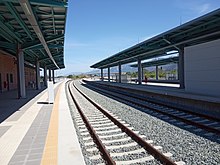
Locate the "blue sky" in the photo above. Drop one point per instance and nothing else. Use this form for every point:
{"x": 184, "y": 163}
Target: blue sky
{"x": 97, "y": 29}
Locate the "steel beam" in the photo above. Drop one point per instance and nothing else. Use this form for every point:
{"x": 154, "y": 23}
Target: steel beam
{"x": 36, "y": 44}
{"x": 43, "y": 2}
{"x": 5, "y": 35}
{"x": 160, "y": 49}
{"x": 7, "y": 45}
{"x": 7, "y": 30}
{"x": 54, "y": 56}
{"x": 17, "y": 16}
{"x": 25, "y": 4}
{"x": 49, "y": 3}
{"x": 49, "y": 46}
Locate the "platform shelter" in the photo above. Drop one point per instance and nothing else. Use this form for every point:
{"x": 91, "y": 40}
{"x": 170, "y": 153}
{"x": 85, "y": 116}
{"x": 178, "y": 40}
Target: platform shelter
{"x": 31, "y": 37}
{"x": 201, "y": 34}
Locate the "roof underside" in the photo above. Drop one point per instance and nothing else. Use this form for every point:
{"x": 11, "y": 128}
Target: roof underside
{"x": 158, "y": 62}
{"x": 200, "y": 30}
{"x": 38, "y": 26}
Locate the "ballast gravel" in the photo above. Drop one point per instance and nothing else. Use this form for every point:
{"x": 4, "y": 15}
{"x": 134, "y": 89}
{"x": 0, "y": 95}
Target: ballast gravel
{"x": 184, "y": 145}
{"x": 90, "y": 151}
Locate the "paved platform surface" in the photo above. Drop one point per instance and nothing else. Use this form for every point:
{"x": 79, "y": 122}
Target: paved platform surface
{"x": 163, "y": 88}
{"x": 35, "y": 132}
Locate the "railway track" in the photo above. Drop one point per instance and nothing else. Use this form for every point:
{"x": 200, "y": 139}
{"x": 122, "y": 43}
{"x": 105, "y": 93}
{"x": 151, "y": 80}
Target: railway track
{"x": 201, "y": 121}
{"x": 116, "y": 140}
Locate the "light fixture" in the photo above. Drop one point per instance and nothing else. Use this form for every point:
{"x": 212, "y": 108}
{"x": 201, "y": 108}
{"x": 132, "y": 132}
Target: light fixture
{"x": 172, "y": 52}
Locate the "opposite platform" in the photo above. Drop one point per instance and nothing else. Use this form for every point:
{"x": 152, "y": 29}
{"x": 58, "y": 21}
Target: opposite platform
{"x": 204, "y": 104}
{"x": 40, "y": 133}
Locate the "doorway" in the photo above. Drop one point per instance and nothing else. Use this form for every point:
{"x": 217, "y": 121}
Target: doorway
{"x": 8, "y": 82}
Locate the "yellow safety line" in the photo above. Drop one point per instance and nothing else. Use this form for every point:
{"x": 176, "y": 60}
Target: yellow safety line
{"x": 50, "y": 154}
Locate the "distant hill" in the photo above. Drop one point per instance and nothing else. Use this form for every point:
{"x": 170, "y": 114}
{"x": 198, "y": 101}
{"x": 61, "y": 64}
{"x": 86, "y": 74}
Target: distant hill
{"x": 127, "y": 68}
{"x": 75, "y": 73}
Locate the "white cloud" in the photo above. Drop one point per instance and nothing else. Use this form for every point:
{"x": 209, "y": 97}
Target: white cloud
{"x": 202, "y": 9}
{"x": 199, "y": 7}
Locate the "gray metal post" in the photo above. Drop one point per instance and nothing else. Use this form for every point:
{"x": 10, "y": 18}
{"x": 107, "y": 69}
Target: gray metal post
{"x": 156, "y": 72}
{"x": 21, "y": 74}
{"x": 142, "y": 71}
{"x": 139, "y": 72}
{"x": 119, "y": 72}
{"x": 45, "y": 76}
{"x": 53, "y": 76}
{"x": 18, "y": 74}
{"x": 101, "y": 74}
{"x": 108, "y": 74}
{"x": 181, "y": 68}
{"x": 50, "y": 75}
{"x": 37, "y": 75}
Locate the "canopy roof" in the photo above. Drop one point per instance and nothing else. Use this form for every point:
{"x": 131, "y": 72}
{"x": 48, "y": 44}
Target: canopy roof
{"x": 38, "y": 26}
{"x": 158, "y": 62}
{"x": 200, "y": 30}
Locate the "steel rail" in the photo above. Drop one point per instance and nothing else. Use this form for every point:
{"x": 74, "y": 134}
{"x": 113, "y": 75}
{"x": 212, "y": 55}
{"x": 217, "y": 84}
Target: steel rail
{"x": 154, "y": 152}
{"x": 105, "y": 154}
{"x": 158, "y": 103}
{"x": 210, "y": 129}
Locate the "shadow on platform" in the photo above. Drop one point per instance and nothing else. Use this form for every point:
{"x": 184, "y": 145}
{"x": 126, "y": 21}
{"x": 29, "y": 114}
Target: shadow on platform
{"x": 9, "y": 102}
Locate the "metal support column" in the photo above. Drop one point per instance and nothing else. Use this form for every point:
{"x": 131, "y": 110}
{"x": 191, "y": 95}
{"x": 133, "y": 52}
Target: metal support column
{"x": 50, "y": 75}
{"x": 53, "y": 76}
{"x": 101, "y": 74}
{"x": 45, "y": 76}
{"x": 142, "y": 71}
{"x": 181, "y": 68}
{"x": 139, "y": 72}
{"x": 119, "y": 72}
{"x": 156, "y": 72}
{"x": 37, "y": 75}
{"x": 108, "y": 74}
{"x": 21, "y": 74}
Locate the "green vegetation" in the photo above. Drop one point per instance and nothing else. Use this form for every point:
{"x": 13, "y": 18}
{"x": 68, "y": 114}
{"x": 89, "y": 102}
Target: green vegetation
{"x": 152, "y": 74}
{"x": 149, "y": 74}
{"x": 132, "y": 74}
{"x": 74, "y": 77}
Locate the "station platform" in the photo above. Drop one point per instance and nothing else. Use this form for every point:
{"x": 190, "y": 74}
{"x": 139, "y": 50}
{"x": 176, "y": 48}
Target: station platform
{"x": 170, "y": 93}
{"x": 33, "y": 132}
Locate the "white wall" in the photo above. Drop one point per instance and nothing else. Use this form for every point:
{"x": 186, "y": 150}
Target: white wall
{"x": 202, "y": 68}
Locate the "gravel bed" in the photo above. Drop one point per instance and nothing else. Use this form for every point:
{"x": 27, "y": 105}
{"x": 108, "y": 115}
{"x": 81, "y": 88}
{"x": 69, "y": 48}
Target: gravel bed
{"x": 175, "y": 122}
{"x": 184, "y": 145}
{"x": 87, "y": 154}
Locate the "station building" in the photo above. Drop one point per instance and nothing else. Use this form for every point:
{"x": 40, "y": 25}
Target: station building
{"x": 31, "y": 39}
{"x": 8, "y": 73}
